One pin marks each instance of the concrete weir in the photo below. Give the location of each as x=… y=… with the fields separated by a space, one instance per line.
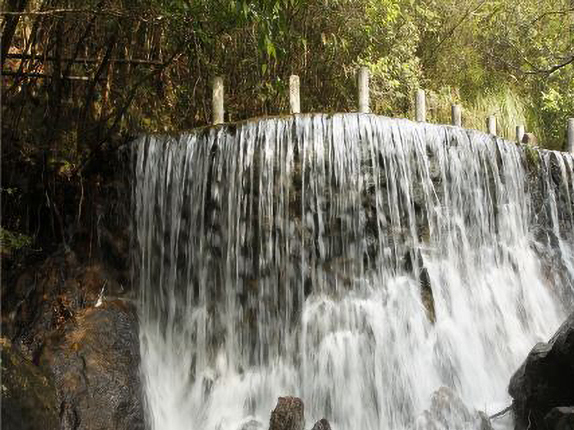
x=334 y=256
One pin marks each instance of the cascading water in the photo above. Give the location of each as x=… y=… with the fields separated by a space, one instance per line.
x=355 y=261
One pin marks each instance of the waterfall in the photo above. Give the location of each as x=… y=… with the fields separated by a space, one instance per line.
x=355 y=261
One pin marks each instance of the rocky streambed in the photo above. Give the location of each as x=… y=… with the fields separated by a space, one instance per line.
x=70 y=361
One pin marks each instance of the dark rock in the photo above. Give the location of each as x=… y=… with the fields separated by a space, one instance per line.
x=544 y=381
x=322 y=424
x=560 y=419
x=530 y=139
x=289 y=414
x=28 y=397
x=427 y=295
x=447 y=411
x=95 y=361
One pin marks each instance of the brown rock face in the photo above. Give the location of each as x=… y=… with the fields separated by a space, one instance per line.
x=28 y=396
x=89 y=353
x=49 y=295
x=95 y=363
x=289 y=414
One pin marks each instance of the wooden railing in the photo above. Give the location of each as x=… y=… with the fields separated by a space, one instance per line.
x=363 y=97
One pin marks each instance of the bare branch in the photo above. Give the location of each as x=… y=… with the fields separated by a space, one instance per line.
x=551 y=69
x=554 y=12
x=9 y=27
x=107 y=12
x=133 y=91
x=468 y=13
x=35 y=75
x=42 y=58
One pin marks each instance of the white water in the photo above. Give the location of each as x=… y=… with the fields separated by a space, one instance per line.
x=291 y=257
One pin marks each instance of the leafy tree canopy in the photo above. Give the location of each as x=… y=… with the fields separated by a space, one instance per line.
x=80 y=78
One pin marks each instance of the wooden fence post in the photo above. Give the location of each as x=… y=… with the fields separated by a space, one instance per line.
x=217 y=100
x=491 y=124
x=363 y=83
x=420 y=106
x=294 y=97
x=570 y=141
x=456 y=115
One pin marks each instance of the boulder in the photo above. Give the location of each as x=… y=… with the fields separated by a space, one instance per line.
x=47 y=295
x=447 y=411
x=95 y=362
x=67 y=316
x=28 y=397
x=289 y=414
x=322 y=424
x=544 y=381
x=560 y=419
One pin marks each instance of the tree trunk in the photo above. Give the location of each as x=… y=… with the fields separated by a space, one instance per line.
x=10 y=24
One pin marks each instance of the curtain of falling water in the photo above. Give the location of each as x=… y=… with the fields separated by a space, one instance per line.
x=355 y=261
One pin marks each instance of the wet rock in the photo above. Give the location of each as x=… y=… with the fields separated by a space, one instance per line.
x=322 y=424
x=49 y=294
x=252 y=424
x=427 y=295
x=544 y=381
x=289 y=414
x=530 y=139
x=95 y=363
x=447 y=411
x=447 y=407
x=483 y=421
x=28 y=397
x=560 y=419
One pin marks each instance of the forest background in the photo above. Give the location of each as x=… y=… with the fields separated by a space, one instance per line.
x=80 y=79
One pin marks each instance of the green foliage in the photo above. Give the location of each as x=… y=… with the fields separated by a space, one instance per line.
x=510 y=58
x=554 y=104
x=506 y=105
x=12 y=241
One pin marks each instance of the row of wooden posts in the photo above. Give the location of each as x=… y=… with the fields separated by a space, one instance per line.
x=363 y=86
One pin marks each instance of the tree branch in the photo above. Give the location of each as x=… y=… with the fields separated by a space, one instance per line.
x=551 y=69
x=554 y=12
x=42 y=58
x=78 y=11
x=34 y=75
x=9 y=27
x=121 y=112
x=468 y=12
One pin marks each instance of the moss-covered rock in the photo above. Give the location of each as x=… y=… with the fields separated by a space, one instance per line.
x=28 y=396
x=95 y=362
